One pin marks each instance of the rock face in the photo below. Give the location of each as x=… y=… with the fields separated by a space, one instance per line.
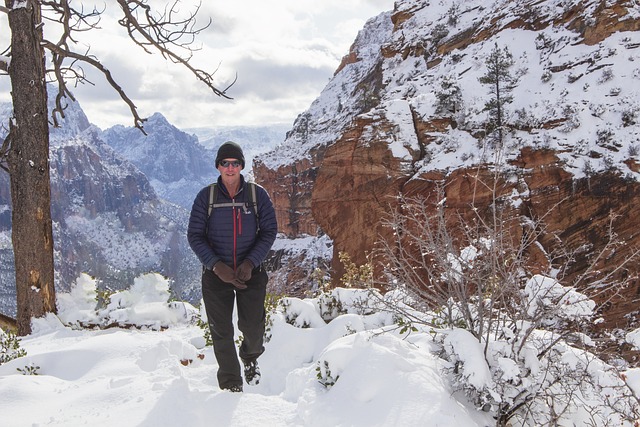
x=406 y=114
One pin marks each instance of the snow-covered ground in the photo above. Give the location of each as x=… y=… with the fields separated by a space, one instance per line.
x=131 y=377
x=359 y=369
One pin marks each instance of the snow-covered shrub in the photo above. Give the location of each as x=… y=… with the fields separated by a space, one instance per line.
x=597 y=110
x=145 y=304
x=355 y=276
x=78 y=306
x=439 y=32
x=449 y=95
x=525 y=119
x=300 y=313
x=607 y=74
x=324 y=374
x=10 y=346
x=271 y=303
x=572 y=118
x=29 y=369
x=543 y=41
x=453 y=15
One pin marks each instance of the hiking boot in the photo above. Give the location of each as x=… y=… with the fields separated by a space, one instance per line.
x=233 y=388
x=251 y=372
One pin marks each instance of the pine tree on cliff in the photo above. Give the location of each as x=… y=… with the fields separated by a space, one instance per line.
x=501 y=83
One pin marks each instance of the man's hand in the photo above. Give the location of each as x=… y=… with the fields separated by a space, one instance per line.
x=243 y=273
x=226 y=274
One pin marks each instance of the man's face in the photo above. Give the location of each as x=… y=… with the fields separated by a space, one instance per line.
x=230 y=169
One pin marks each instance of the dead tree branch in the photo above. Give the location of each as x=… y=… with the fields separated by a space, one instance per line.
x=169 y=32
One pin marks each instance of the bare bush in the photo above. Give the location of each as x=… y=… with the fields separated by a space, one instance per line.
x=474 y=270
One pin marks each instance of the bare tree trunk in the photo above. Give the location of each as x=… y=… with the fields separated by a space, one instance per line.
x=28 y=162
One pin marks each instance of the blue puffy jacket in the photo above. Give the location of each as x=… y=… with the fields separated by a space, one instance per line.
x=232 y=234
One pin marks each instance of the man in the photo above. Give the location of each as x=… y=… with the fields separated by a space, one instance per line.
x=232 y=238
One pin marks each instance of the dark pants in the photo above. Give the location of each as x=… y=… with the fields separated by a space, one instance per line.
x=219 y=299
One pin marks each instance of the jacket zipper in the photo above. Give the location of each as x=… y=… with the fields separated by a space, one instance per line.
x=237 y=230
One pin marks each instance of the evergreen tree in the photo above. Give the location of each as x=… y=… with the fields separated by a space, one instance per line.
x=501 y=83
x=449 y=96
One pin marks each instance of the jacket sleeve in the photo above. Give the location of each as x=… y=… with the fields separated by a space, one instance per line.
x=197 y=229
x=268 y=228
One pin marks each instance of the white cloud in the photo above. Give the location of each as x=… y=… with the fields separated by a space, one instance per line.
x=283 y=52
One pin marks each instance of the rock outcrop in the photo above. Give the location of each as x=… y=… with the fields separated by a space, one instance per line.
x=567 y=160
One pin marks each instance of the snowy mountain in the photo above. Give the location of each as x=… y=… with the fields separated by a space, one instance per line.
x=107 y=219
x=174 y=162
x=179 y=163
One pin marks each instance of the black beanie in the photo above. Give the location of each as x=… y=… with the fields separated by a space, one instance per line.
x=230 y=150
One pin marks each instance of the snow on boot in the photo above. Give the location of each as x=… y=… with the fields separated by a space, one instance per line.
x=251 y=372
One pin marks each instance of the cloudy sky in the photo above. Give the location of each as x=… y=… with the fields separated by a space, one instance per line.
x=283 y=52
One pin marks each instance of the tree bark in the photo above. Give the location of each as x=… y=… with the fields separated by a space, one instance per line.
x=28 y=163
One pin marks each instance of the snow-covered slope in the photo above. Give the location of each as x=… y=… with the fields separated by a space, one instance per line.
x=346 y=95
x=575 y=92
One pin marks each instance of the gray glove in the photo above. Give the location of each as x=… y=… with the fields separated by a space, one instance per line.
x=226 y=274
x=243 y=272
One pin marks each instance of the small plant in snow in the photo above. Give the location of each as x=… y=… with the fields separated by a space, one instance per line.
x=29 y=369
x=609 y=163
x=572 y=118
x=321 y=280
x=355 y=276
x=103 y=297
x=439 y=32
x=629 y=117
x=448 y=144
x=289 y=316
x=587 y=169
x=633 y=150
x=324 y=375
x=543 y=41
x=525 y=120
x=330 y=306
x=405 y=325
x=597 y=110
x=607 y=74
x=604 y=137
x=453 y=15
x=10 y=346
x=271 y=304
x=206 y=331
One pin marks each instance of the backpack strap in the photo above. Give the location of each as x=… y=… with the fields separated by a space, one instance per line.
x=252 y=203
x=213 y=196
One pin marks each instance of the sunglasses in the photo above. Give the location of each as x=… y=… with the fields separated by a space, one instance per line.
x=226 y=163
